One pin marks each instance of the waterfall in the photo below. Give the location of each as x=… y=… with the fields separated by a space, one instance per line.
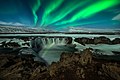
x=50 y=41
x=43 y=42
x=50 y=48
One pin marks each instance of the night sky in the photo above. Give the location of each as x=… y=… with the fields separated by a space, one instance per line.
x=61 y=14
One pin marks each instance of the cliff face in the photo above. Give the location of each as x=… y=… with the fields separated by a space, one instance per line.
x=84 y=67
x=72 y=66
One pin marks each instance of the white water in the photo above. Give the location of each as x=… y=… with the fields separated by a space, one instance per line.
x=52 y=41
x=53 y=47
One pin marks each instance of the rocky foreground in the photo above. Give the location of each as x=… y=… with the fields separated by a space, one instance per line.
x=71 y=66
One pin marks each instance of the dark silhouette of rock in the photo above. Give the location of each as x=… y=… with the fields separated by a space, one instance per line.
x=72 y=66
x=36 y=44
x=102 y=40
x=69 y=40
x=112 y=70
x=25 y=38
x=26 y=43
x=116 y=52
x=13 y=44
x=3 y=44
x=5 y=50
x=81 y=67
x=13 y=67
x=9 y=44
x=95 y=40
x=84 y=40
x=116 y=41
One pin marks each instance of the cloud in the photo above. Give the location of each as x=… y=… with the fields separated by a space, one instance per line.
x=117 y=17
x=11 y=23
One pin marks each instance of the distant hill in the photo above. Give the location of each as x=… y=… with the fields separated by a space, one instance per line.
x=93 y=30
x=16 y=29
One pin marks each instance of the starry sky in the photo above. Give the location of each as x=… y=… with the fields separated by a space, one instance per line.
x=61 y=14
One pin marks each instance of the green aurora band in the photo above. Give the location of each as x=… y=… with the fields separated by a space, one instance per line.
x=53 y=5
x=91 y=10
x=35 y=8
x=63 y=12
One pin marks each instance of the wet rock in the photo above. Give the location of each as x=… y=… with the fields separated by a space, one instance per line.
x=37 y=44
x=25 y=38
x=3 y=44
x=84 y=41
x=10 y=44
x=69 y=40
x=116 y=52
x=26 y=44
x=102 y=40
x=96 y=40
x=26 y=51
x=116 y=41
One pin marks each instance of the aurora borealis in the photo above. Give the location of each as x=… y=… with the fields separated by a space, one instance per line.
x=61 y=14
x=34 y=7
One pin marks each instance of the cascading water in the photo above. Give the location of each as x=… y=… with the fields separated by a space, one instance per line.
x=50 y=49
x=41 y=43
x=53 y=41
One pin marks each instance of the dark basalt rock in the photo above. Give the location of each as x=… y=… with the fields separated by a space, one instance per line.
x=69 y=40
x=13 y=67
x=25 y=38
x=83 y=67
x=3 y=44
x=101 y=40
x=72 y=66
x=116 y=52
x=37 y=44
x=9 y=44
x=84 y=41
x=5 y=50
x=116 y=41
x=95 y=40
x=26 y=43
